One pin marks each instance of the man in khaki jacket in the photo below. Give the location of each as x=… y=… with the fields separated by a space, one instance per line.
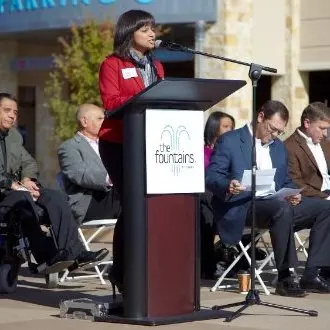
x=309 y=152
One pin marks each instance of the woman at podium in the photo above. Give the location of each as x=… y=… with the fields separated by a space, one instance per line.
x=123 y=74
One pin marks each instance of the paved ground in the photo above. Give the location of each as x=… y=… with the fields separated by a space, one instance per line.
x=33 y=306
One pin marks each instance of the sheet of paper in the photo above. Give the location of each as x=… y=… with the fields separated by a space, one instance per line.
x=283 y=193
x=264 y=179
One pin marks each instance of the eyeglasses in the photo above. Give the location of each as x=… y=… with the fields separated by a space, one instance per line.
x=273 y=130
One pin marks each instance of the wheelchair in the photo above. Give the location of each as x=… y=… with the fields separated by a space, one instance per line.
x=15 y=251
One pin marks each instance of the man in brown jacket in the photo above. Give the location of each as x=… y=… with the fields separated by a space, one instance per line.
x=309 y=152
x=309 y=155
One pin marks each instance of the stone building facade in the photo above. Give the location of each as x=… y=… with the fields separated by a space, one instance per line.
x=285 y=34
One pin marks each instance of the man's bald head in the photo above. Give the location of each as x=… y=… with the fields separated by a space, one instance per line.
x=86 y=109
x=90 y=118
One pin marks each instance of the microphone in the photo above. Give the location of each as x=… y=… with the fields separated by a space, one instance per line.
x=169 y=45
x=176 y=47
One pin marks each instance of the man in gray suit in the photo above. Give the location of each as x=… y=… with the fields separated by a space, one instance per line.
x=20 y=192
x=85 y=178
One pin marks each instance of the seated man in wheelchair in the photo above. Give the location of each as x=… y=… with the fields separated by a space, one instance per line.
x=24 y=201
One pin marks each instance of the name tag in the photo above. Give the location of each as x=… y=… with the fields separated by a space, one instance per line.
x=129 y=73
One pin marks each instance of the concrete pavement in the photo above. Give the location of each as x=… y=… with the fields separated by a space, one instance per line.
x=33 y=306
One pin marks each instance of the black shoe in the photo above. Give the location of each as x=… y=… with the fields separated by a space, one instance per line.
x=317 y=285
x=225 y=253
x=290 y=287
x=88 y=257
x=58 y=263
x=115 y=283
x=325 y=273
x=260 y=254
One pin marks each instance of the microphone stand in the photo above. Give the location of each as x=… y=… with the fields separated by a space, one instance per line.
x=252 y=297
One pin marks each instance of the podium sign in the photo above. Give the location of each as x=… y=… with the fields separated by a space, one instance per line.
x=174 y=151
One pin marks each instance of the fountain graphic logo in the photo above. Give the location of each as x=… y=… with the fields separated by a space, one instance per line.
x=171 y=150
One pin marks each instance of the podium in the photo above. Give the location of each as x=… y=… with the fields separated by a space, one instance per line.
x=163 y=163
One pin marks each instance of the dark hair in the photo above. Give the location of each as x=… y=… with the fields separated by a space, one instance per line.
x=315 y=111
x=7 y=96
x=270 y=108
x=212 y=125
x=127 y=24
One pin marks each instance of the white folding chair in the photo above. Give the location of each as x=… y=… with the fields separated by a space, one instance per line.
x=301 y=246
x=244 y=254
x=301 y=243
x=100 y=226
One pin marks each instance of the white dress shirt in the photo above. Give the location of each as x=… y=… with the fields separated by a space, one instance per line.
x=264 y=162
x=93 y=143
x=318 y=154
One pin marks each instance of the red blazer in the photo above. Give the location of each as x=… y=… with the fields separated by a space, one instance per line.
x=115 y=90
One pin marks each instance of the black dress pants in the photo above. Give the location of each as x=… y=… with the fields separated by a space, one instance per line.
x=314 y=214
x=207 y=235
x=104 y=205
x=283 y=220
x=63 y=223
x=112 y=158
x=58 y=215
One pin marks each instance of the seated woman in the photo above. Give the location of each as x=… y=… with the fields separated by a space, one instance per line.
x=217 y=123
x=215 y=258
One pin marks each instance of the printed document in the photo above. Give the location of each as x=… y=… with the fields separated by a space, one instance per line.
x=265 y=187
x=264 y=180
x=283 y=193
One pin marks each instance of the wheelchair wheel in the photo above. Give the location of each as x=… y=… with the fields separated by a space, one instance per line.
x=51 y=280
x=8 y=279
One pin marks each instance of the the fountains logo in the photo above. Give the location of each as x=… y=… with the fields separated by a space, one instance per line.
x=171 y=150
x=174 y=151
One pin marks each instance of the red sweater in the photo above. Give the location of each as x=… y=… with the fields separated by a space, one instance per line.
x=115 y=90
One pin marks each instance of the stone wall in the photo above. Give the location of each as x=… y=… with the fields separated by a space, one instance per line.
x=292 y=88
x=230 y=37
